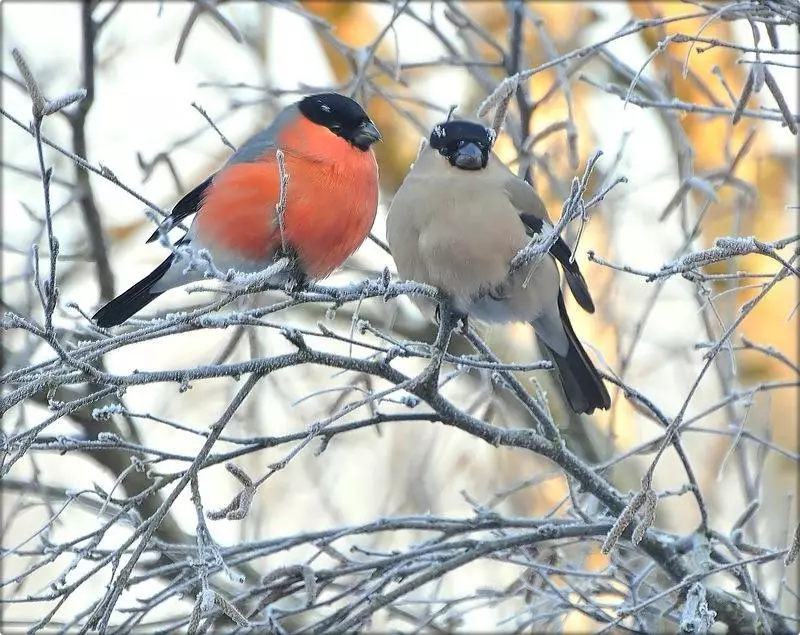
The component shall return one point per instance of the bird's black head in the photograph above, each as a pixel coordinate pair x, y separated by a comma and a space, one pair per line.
465, 144
342, 116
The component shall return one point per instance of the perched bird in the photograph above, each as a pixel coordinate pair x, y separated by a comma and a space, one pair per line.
331, 200
456, 222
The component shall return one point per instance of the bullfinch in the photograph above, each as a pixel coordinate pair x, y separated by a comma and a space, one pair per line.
331, 199
457, 221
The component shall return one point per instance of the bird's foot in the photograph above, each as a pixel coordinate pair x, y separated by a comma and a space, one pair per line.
297, 283
460, 319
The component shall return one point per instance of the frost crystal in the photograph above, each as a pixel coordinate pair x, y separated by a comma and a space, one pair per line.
106, 412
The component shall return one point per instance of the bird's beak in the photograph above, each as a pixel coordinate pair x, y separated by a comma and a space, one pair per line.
367, 134
468, 157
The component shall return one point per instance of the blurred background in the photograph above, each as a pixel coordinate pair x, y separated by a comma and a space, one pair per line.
660, 109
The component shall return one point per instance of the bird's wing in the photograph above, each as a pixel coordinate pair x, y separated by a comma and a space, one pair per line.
534, 216
187, 206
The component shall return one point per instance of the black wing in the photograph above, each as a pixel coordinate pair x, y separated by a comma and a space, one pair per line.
561, 252
187, 206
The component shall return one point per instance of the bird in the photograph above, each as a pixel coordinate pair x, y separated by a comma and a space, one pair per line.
457, 221
331, 199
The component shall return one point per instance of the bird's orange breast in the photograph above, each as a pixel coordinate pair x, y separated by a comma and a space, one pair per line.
331, 201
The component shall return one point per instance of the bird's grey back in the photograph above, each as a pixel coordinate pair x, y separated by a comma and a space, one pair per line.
261, 142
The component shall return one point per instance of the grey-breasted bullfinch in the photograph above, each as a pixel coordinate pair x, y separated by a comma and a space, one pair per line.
457, 221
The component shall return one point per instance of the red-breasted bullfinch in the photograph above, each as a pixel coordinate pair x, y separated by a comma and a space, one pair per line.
456, 222
331, 201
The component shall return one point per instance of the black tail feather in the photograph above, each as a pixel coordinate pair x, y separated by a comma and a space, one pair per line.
580, 380
134, 299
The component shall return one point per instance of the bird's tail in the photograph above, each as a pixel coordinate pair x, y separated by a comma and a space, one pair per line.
582, 384
134, 299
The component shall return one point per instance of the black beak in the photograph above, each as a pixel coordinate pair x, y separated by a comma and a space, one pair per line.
468, 157
366, 135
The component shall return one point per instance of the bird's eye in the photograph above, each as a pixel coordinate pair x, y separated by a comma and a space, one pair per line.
335, 127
